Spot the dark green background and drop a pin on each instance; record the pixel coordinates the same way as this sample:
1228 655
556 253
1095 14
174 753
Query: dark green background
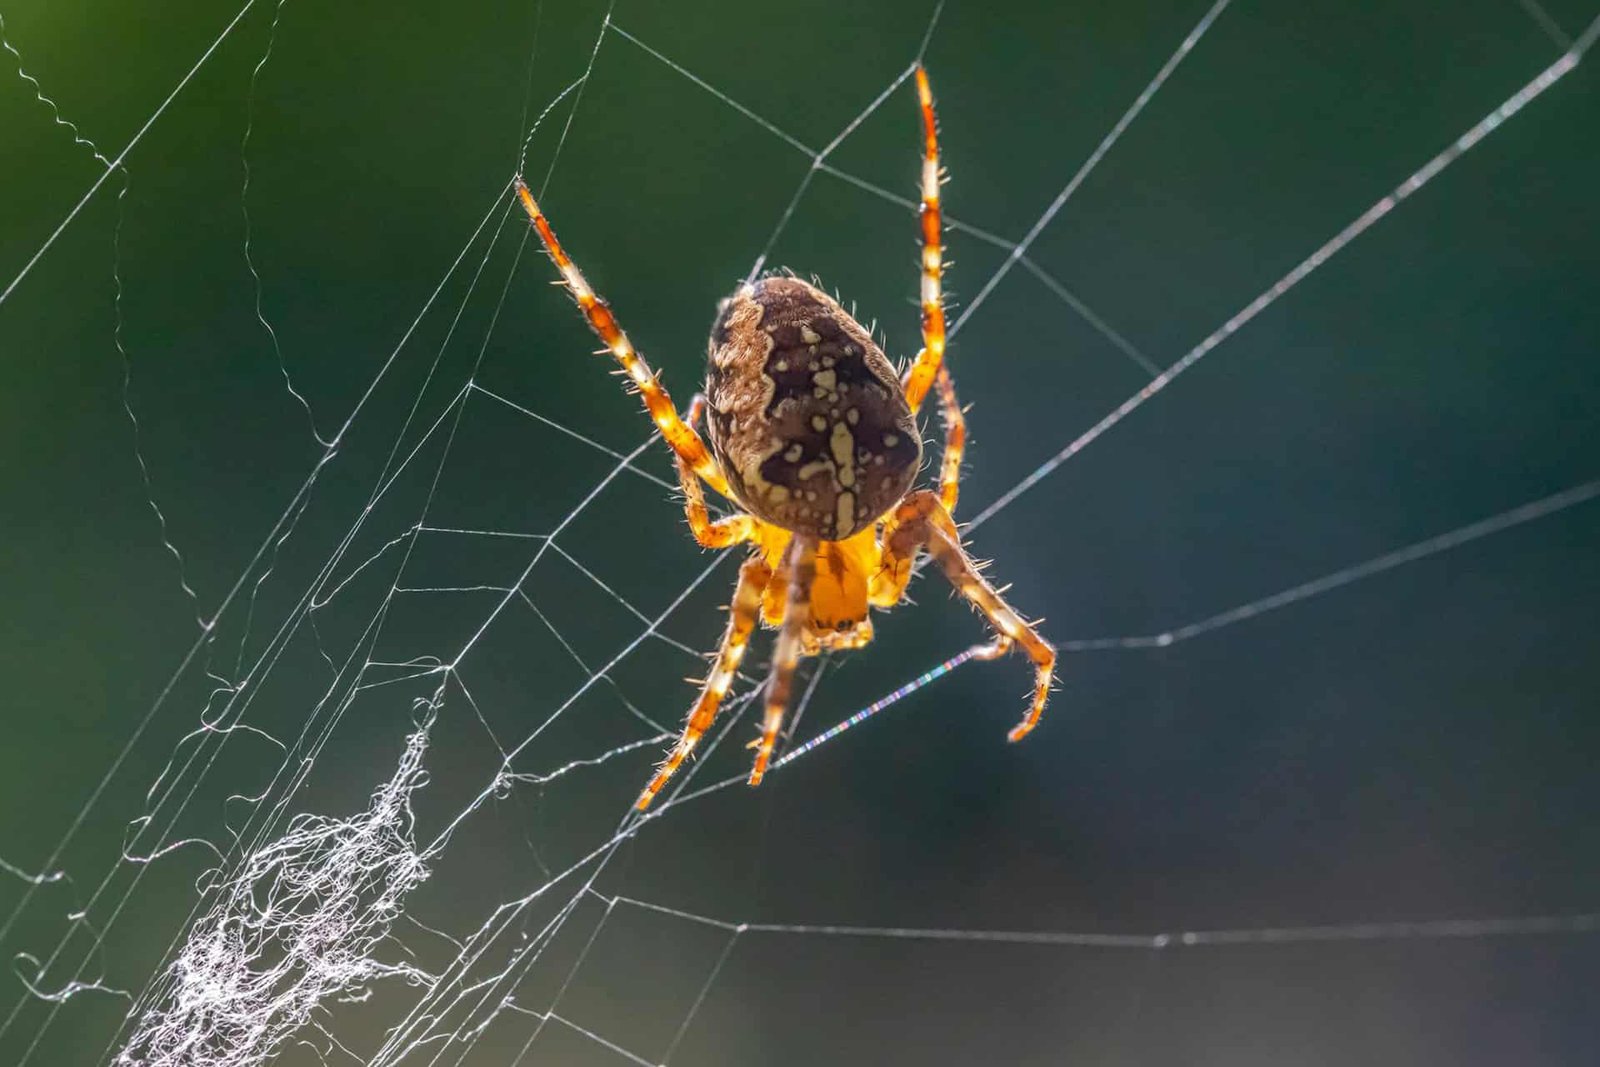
1420 745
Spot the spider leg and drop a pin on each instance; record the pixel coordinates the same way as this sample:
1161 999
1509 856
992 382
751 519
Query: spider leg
802 567
888 585
683 439
733 530
922 521
753 578
955 440
920 375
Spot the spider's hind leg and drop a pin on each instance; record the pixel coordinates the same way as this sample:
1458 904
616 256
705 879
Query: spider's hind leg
801 560
746 608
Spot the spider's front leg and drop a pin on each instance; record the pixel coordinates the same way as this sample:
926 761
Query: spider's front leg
929 368
920 375
801 564
922 521
746 608
685 442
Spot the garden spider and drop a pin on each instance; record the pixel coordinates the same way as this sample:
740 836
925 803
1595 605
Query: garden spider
815 440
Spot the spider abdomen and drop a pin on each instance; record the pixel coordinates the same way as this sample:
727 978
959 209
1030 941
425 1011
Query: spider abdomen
804 412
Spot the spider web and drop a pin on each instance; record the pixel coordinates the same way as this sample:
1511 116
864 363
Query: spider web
1303 793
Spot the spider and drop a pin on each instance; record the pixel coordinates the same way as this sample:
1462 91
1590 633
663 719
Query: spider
813 436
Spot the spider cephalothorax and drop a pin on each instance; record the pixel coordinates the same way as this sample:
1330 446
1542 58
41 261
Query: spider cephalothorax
805 414
814 439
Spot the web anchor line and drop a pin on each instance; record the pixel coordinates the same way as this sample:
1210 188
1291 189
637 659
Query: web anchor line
1133 111
1403 930
1422 176
1462 535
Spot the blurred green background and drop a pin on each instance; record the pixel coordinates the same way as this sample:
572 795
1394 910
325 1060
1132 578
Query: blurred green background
1419 745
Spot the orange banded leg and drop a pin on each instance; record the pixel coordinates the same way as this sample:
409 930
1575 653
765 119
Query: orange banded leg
920 375
921 520
802 567
684 441
897 565
753 578
733 530
955 440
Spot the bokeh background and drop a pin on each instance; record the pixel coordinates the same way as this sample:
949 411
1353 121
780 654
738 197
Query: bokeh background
1416 746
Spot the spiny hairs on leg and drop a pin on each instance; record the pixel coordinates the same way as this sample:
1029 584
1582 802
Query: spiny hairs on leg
746 608
955 440
679 435
919 379
802 560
